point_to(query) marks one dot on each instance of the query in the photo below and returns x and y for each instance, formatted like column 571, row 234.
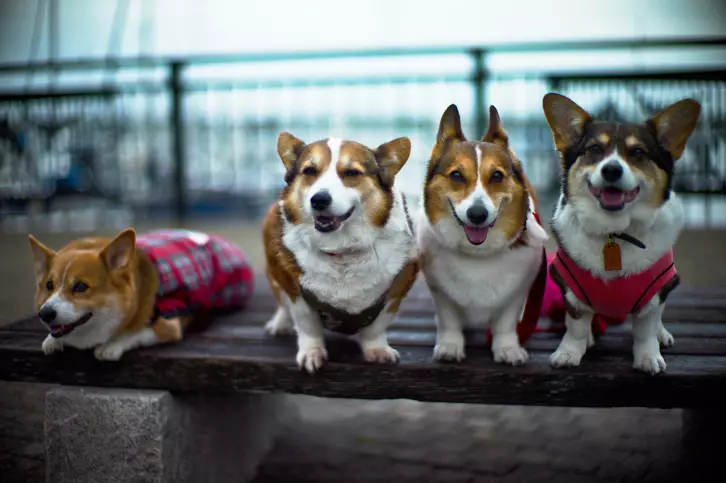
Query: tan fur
column 282, row 270
column 133, row 286
column 402, row 285
column 452, row 152
column 358, row 167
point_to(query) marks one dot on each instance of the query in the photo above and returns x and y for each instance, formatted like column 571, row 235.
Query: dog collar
column 629, row 238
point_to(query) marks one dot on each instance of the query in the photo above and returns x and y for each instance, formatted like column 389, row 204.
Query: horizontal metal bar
column 142, row 62
column 690, row 75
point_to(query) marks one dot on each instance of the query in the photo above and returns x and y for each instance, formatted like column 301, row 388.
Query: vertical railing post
column 478, row 79
column 176, row 85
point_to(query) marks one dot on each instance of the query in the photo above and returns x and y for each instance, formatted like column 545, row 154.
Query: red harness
column 613, row 300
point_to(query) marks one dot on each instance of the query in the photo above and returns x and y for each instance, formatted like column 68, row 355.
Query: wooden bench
column 235, row 356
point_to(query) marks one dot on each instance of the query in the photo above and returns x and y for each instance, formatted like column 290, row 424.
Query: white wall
column 194, row 26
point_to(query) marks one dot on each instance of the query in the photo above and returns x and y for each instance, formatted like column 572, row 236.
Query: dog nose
column 611, row 171
column 47, row 314
column 321, row 200
column 477, row 214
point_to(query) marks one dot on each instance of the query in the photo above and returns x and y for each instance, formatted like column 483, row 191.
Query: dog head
column 475, row 191
column 332, row 182
column 84, row 291
column 614, row 172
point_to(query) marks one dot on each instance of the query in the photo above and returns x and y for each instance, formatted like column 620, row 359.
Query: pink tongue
column 476, row 235
column 612, row 197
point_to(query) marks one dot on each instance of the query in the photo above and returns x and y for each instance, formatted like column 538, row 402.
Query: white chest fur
column 355, row 281
column 480, row 285
column 658, row 233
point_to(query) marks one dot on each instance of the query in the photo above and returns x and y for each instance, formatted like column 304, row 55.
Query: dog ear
column 449, row 132
column 42, row 257
column 120, row 251
column 289, row 148
column 391, row 157
column 566, row 119
column 675, row 124
column 496, row 133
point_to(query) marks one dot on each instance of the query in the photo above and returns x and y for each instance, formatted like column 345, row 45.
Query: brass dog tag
column 611, row 256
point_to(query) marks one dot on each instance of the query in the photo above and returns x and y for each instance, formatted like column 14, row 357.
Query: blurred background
column 161, row 113
column 165, row 113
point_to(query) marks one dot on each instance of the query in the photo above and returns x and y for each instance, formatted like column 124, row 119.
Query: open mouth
column 475, row 234
column 61, row 330
column 611, row 198
column 327, row 223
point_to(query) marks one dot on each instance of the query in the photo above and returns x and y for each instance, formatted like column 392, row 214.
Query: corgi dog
column 338, row 245
column 616, row 222
column 479, row 244
column 116, row 294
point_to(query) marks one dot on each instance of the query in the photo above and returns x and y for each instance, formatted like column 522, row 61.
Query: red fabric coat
column 198, row 273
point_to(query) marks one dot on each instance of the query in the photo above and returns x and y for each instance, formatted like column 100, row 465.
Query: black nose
column 612, row 171
column 321, row 200
column 477, row 214
column 47, row 314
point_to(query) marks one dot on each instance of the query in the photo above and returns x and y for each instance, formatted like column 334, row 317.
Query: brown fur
column 402, row 285
column 453, row 153
column 650, row 149
column 111, row 268
column 371, row 172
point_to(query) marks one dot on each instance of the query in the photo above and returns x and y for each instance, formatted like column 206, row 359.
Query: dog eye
column 637, row 152
column 595, row 149
column 456, row 176
column 49, row 285
column 309, row 171
column 80, row 287
column 497, row 176
column 351, row 173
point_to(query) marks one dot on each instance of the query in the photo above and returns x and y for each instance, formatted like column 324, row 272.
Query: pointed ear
column 42, row 256
column 391, row 157
column 675, row 124
column 495, row 133
column 566, row 119
column 449, row 130
column 120, row 251
column 289, row 149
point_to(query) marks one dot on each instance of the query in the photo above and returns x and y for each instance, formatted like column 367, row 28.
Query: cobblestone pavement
column 406, row 441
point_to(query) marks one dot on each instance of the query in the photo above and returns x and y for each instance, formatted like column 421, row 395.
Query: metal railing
column 182, row 135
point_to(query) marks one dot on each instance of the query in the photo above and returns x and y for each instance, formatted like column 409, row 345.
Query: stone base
column 115, row 435
column 703, row 445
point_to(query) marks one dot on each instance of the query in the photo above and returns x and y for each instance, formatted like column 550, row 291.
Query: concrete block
column 95, row 435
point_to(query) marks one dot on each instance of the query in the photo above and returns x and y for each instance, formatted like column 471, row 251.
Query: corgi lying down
column 114, row 295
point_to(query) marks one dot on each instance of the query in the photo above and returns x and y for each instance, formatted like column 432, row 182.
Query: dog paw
column 277, row 329
column 381, row 355
column 665, row 338
column 565, row 358
column 311, row 359
column 647, row 358
column 51, row 345
column 108, row 352
column 515, row 355
column 449, row 352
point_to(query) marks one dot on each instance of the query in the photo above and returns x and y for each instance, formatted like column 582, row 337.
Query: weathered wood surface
column 235, row 355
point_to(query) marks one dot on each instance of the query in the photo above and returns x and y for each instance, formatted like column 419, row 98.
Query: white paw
column 515, row 355
column 277, row 327
column 449, row 352
column 108, row 352
column 564, row 357
column 381, row 355
column 311, row 359
column 51, row 345
column 647, row 358
column 590, row 339
column 665, row 338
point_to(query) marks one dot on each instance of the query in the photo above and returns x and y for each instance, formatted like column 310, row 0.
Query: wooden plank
column 200, row 364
